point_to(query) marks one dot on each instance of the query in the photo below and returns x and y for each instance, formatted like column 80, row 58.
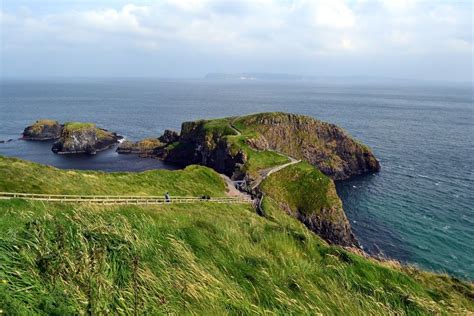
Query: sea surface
column 419, row 209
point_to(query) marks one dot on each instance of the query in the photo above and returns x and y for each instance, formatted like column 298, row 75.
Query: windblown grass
column 64, row 259
column 187, row 259
column 21, row 176
column 303, row 188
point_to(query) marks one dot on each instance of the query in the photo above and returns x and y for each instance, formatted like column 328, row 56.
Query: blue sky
column 411, row 39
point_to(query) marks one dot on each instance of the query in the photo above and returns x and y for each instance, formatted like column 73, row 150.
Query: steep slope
column 196, row 258
column 308, row 195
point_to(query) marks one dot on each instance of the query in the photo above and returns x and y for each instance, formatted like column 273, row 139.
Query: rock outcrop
column 144, row 148
column 169, row 137
column 206, row 145
column 43, row 130
column 77, row 138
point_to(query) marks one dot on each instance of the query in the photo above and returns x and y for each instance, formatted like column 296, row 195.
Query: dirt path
column 267, row 172
column 232, row 191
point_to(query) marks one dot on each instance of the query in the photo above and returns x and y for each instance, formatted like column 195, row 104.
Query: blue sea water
column 419, row 209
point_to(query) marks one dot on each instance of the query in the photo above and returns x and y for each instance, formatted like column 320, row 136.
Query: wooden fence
column 122, row 199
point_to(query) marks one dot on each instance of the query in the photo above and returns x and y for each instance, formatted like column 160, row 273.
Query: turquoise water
column 418, row 209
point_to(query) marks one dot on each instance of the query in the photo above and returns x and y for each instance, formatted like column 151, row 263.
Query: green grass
column 219, row 127
column 38, row 126
column 304, row 188
column 66, row 259
column 200, row 259
column 76, row 126
column 256, row 160
column 21, row 176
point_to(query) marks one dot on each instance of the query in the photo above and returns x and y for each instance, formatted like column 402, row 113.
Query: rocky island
column 250, row 148
column 77, row 138
column 43, row 130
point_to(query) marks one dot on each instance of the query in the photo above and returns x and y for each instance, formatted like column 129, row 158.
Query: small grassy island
column 297, row 256
column 79, row 137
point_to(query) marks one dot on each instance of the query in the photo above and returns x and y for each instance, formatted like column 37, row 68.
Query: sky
column 422, row 40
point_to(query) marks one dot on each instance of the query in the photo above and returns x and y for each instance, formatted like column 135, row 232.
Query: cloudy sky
column 426, row 39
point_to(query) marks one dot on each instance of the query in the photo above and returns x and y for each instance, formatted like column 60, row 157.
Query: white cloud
column 258, row 30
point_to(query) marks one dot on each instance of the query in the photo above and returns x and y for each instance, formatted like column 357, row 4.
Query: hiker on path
column 167, row 197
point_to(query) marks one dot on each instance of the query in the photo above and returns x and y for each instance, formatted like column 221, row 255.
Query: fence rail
column 122, row 199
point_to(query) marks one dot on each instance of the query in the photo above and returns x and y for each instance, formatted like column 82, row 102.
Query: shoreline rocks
column 43, row 130
column 147, row 147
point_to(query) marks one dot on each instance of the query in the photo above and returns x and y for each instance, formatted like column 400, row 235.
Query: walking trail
column 266, row 172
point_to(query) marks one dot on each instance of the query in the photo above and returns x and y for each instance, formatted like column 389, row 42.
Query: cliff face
column 324, row 145
column 204, row 144
column 43, row 130
column 86, row 138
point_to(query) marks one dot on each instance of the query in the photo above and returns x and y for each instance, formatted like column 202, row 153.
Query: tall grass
column 22, row 176
column 198, row 259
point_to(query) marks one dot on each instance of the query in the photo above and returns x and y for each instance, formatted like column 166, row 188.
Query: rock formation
column 169, row 137
column 86, row 138
column 43, row 130
column 324, row 145
column 144, row 148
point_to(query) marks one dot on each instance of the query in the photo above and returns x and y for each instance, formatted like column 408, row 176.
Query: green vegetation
column 149, row 144
column 219, row 127
column 201, row 259
column 21, row 176
column 195, row 258
column 39, row 125
column 304, row 188
column 76, row 126
column 257, row 160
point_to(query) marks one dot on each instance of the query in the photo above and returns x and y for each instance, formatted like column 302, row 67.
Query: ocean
column 419, row 209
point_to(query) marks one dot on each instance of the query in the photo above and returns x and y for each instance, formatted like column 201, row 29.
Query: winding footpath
column 267, row 172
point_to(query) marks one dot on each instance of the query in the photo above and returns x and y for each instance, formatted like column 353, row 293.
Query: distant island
column 257, row 76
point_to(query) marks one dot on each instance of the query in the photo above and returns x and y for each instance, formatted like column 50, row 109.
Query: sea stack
column 78, row 137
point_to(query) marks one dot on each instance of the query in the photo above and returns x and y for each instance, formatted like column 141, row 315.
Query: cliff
column 43, row 130
column 86, row 138
column 249, row 147
column 324, row 145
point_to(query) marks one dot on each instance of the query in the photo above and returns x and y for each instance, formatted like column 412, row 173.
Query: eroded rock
column 43, row 130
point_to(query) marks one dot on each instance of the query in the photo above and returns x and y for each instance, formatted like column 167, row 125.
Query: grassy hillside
column 21, row 176
column 309, row 195
column 303, row 188
column 202, row 259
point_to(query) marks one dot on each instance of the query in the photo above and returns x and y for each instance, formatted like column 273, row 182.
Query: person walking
column 167, row 197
